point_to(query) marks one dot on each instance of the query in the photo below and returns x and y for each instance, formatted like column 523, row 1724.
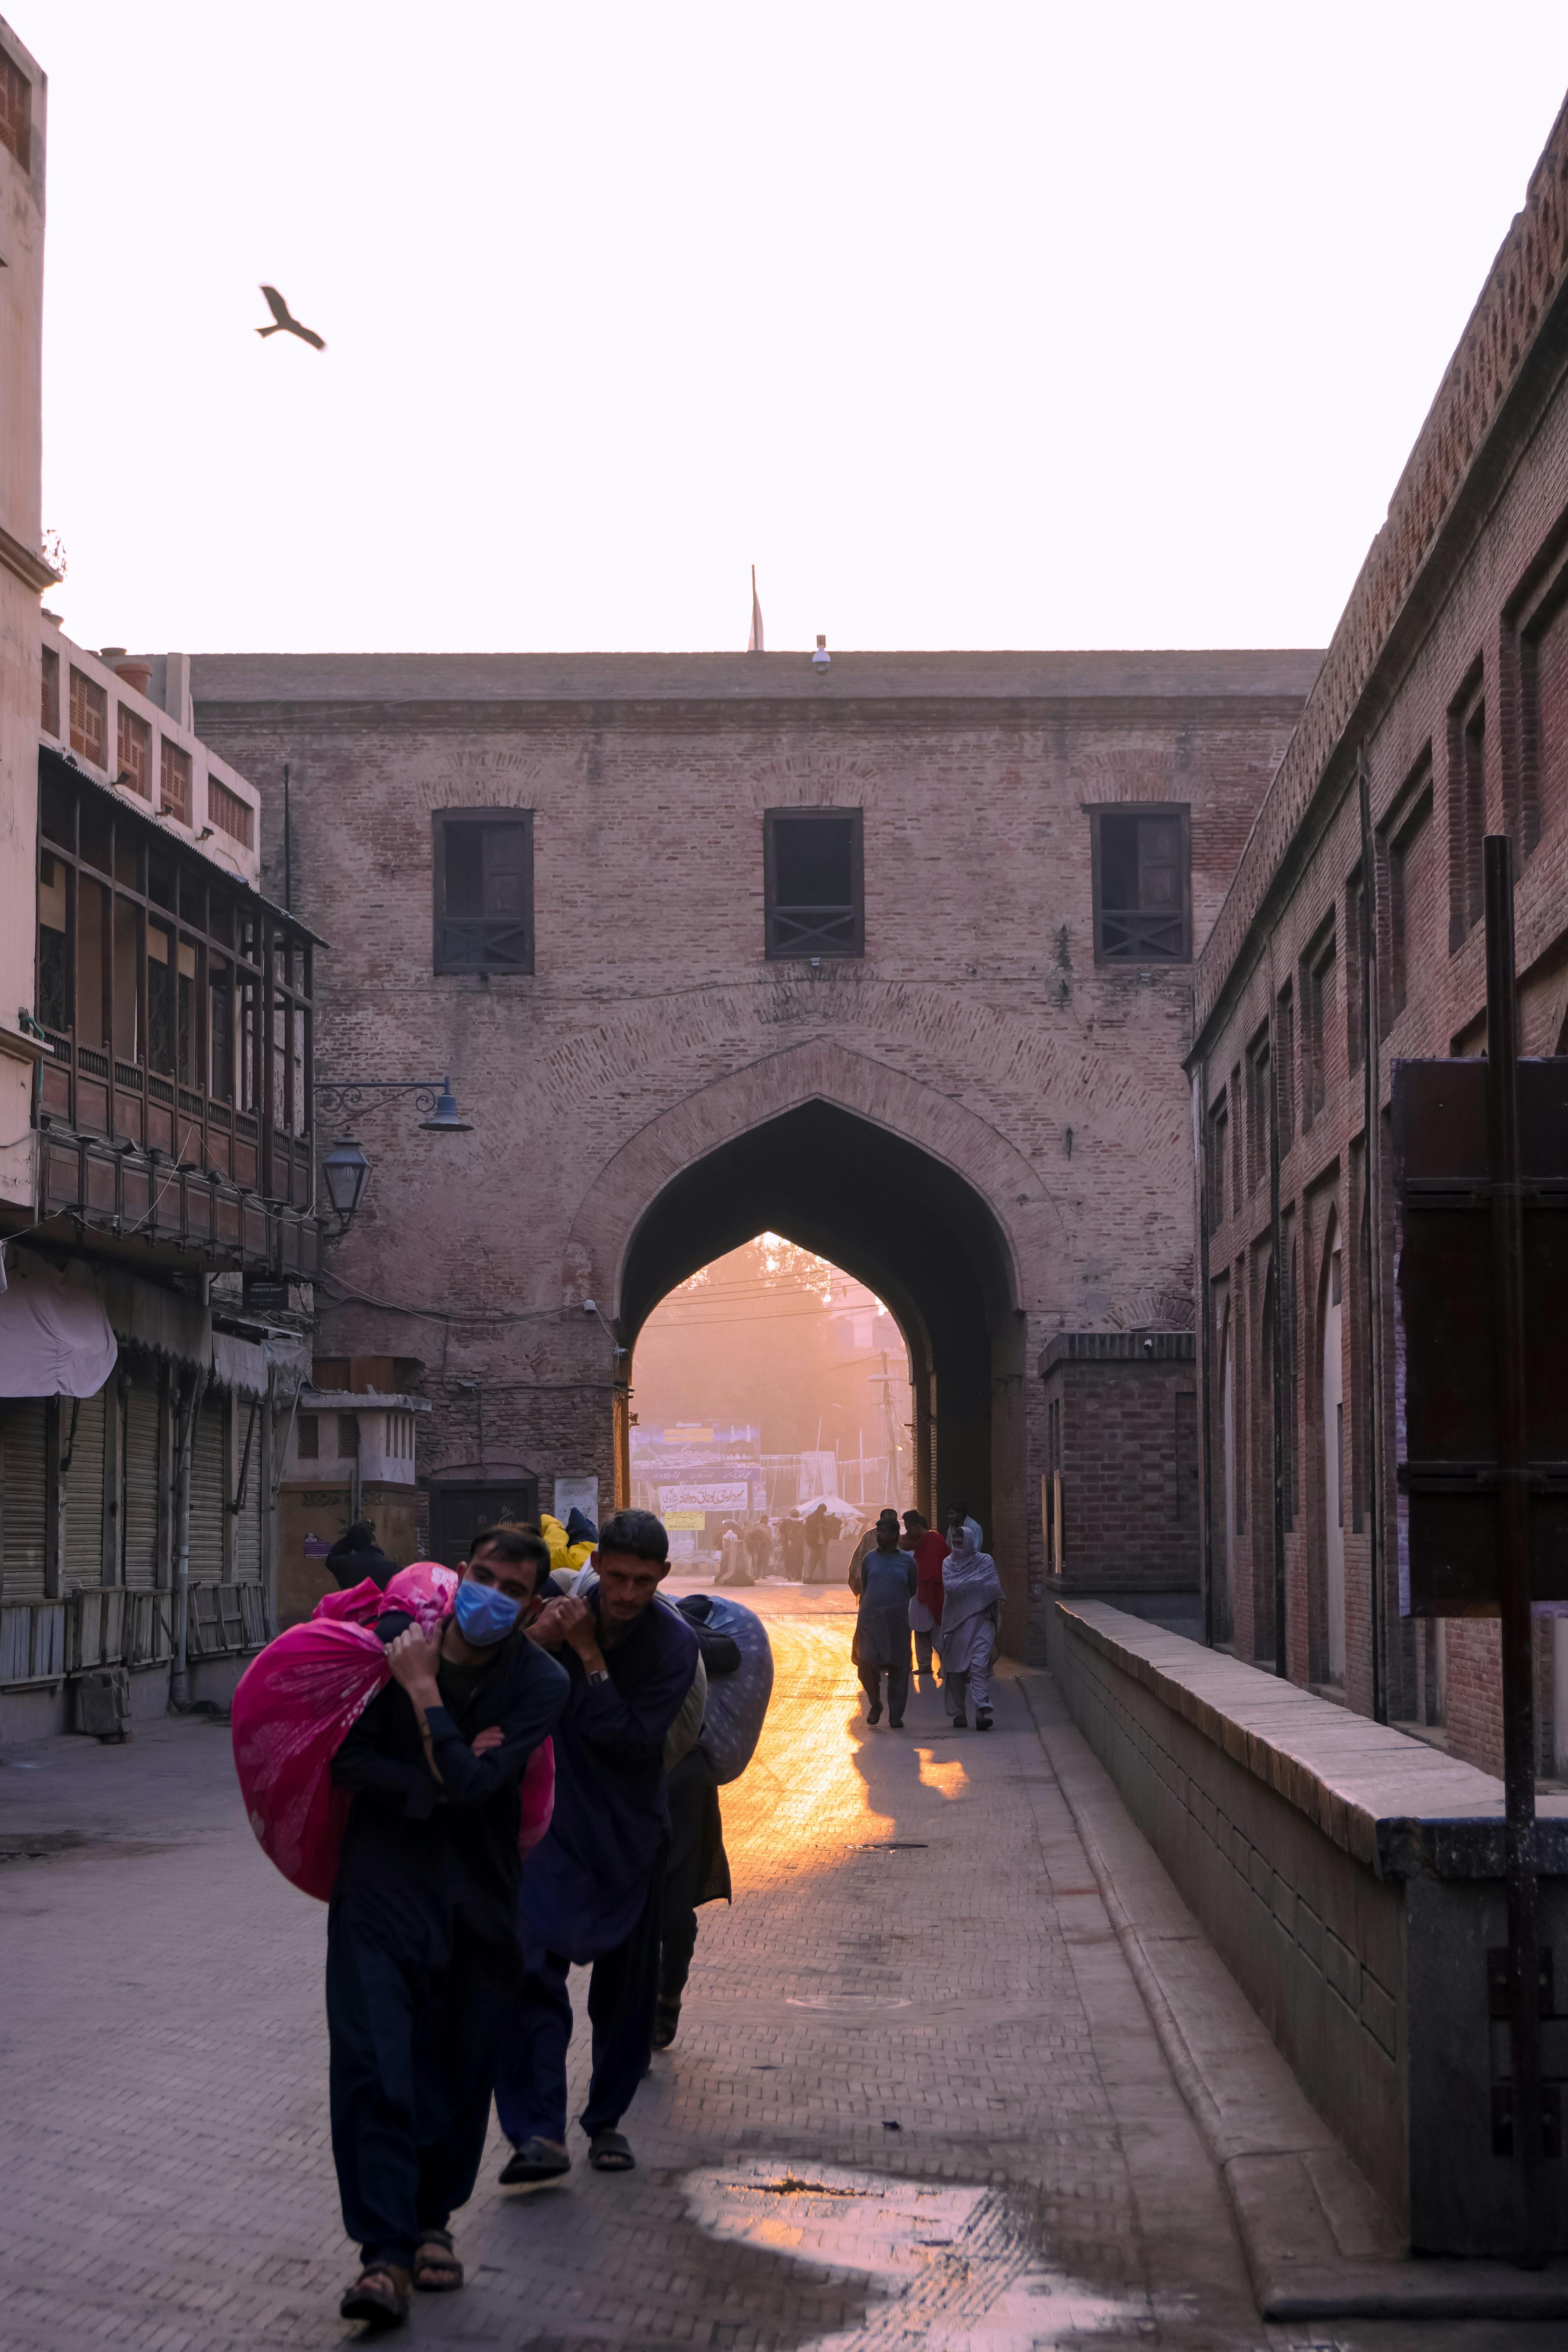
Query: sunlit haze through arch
column 774, row 1370
column 1026, row 325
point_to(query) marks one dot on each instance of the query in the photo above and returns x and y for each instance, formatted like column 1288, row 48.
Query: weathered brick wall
column 654, row 1031
column 1128, row 1442
column 1445, row 612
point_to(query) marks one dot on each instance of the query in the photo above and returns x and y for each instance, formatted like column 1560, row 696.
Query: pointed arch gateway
column 902, row 1187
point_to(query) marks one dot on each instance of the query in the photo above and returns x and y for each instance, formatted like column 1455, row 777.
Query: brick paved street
column 916, row 2100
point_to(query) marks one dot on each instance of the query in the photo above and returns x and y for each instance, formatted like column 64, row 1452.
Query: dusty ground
column 916, row 2100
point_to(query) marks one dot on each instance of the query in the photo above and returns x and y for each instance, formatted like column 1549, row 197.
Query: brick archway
column 612, row 1209
column 902, row 1187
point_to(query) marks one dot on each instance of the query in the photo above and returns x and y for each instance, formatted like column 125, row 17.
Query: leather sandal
column 379, row 2297
column 436, row 2270
column 610, row 2151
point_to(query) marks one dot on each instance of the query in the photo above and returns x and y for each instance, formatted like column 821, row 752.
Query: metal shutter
column 207, row 1498
column 140, row 1567
column 247, row 1416
column 84, row 1490
column 25, row 1501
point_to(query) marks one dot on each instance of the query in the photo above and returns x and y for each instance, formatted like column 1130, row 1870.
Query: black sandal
column 666, row 2023
column 534, row 2161
column 436, row 2270
column 379, row 2297
column 610, row 2151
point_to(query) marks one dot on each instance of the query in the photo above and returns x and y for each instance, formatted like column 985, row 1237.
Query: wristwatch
column 598, row 1674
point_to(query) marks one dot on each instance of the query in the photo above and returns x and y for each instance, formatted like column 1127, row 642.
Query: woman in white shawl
column 971, row 1613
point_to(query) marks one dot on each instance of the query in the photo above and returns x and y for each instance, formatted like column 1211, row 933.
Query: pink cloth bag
column 300, row 1696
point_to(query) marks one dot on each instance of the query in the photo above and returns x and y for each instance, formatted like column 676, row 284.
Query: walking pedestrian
column 792, row 1546
column 760, row 1547
column 422, row 1956
column 591, row 1887
column 971, row 1614
column 887, row 1584
column 930, row 1550
column 817, row 1526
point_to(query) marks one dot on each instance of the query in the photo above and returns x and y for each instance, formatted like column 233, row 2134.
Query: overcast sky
column 988, row 325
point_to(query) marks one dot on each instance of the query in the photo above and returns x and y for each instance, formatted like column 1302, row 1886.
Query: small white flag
column 754, row 642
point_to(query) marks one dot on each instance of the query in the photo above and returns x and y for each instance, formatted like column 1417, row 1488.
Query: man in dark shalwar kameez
column 591, row 1887
column 422, row 1956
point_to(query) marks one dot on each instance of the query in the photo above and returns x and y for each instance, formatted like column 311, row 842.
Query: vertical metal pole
column 1205, row 1356
column 1372, row 1253
column 1513, row 1561
column 1277, row 1370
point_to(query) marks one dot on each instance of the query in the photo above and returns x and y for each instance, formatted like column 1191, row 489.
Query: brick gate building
column 892, row 955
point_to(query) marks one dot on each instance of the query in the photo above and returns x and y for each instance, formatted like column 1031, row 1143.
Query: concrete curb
column 1319, row 2242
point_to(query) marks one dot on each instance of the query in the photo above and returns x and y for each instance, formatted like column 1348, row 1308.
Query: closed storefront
column 248, row 1412
column 207, row 1494
column 23, row 1498
column 140, row 1454
column 82, row 1430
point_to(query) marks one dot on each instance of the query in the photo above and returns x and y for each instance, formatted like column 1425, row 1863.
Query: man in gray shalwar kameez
column 887, row 1578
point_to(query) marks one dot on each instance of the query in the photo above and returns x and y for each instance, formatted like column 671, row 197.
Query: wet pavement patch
column 955, row 2269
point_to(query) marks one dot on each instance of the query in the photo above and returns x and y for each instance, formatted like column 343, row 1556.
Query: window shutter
column 208, row 1500
column 84, row 1492
column 140, row 1532
column 25, row 1501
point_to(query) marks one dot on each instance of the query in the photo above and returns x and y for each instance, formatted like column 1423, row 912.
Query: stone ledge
column 1403, row 1809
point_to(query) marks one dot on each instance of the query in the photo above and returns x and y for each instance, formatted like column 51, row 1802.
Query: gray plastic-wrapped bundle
column 737, row 1702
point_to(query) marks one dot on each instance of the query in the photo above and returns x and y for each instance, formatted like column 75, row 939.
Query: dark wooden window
column 90, row 718
column 1543, row 646
column 174, row 781
column 134, row 744
column 1238, row 1140
column 310, row 1437
column 1142, row 894
column 1408, row 857
column 484, row 890
column 1259, row 1078
column 1219, row 1137
column 1317, row 987
column 1466, row 808
column 154, row 972
column 348, row 1437
column 815, row 879
column 1285, row 1052
column 50, row 701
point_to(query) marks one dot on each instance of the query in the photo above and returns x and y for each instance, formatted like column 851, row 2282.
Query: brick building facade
column 1440, row 714
column 892, row 955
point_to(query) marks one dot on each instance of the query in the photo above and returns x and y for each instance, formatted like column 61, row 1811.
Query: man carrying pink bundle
column 423, row 1960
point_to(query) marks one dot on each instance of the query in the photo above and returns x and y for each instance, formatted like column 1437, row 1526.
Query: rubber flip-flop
column 610, row 2151
column 532, row 2162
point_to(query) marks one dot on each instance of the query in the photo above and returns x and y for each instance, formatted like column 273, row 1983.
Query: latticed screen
column 1142, row 886
column 484, row 891
column 228, row 812
column 174, row 781
column 814, row 893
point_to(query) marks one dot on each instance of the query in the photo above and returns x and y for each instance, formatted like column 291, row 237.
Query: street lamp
column 345, row 1170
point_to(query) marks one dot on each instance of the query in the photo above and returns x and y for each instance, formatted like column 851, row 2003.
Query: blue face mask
column 484, row 1615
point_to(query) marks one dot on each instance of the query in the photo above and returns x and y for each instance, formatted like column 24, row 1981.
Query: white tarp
column 55, row 1337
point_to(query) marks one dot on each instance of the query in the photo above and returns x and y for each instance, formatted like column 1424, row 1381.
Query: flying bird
column 283, row 324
